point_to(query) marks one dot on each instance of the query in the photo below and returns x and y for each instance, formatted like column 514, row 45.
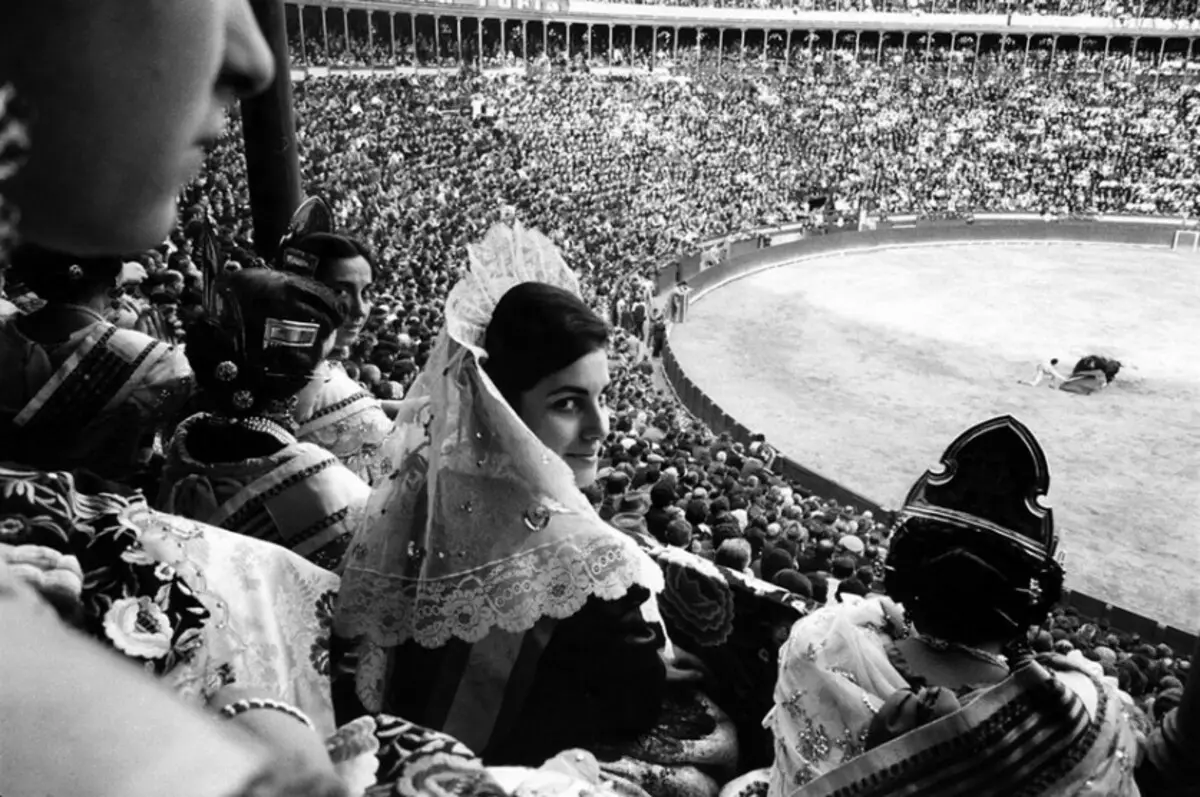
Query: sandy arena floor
column 864, row 367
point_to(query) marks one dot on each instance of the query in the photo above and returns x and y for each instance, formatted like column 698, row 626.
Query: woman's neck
column 952, row 667
column 96, row 305
column 58, row 321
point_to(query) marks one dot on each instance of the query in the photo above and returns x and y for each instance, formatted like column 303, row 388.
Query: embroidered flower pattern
column 318, row 653
column 134, row 597
column 138, row 628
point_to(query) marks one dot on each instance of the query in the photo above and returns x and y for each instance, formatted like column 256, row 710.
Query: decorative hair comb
column 298, row 262
column 993, row 478
column 280, row 333
column 313, row 215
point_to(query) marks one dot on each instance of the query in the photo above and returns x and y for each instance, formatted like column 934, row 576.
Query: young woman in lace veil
column 484, row 596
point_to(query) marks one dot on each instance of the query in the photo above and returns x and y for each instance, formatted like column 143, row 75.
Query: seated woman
column 76, row 389
column 484, row 597
column 957, row 706
column 239, row 466
column 340, row 415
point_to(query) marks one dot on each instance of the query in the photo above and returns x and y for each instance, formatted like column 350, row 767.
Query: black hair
column 59, row 278
column 312, row 255
column 1054, row 361
column 851, row 586
column 968, row 585
column 268, row 375
column 536, row 330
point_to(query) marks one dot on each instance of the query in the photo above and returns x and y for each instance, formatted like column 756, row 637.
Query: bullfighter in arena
column 1046, row 370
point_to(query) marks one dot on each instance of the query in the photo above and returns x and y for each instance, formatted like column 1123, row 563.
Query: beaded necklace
column 260, row 424
column 945, row 646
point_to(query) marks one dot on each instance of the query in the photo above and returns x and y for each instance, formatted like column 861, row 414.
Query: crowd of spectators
column 626, row 174
column 1184, row 14
column 629, row 173
column 754, row 50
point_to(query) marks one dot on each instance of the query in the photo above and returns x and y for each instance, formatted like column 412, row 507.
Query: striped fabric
column 92, row 379
column 300, row 497
column 1028, row 736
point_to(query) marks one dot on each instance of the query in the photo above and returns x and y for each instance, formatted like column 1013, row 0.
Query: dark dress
column 599, row 679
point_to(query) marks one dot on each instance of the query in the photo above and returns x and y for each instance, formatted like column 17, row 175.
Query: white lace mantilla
column 475, row 524
column 513, row 594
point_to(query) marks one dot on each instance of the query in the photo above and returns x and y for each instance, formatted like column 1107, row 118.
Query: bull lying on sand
column 1091, row 374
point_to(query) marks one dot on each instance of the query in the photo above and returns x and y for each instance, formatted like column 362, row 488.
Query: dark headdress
column 993, row 478
column 989, row 493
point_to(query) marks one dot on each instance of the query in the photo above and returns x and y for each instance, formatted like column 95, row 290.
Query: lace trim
column 506, row 257
column 511, row 594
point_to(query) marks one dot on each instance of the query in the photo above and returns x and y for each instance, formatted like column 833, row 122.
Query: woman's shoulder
column 338, row 386
column 135, row 343
column 339, row 398
column 206, row 545
column 1086, row 680
column 878, row 616
column 325, row 472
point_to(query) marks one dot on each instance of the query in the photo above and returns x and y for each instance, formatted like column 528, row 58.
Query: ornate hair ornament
column 281, row 333
column 992, row 479
column 298, row 262
column 243, row 400
column 226, row 371
column 505, row 258
column 314, row 215
column 75, row 271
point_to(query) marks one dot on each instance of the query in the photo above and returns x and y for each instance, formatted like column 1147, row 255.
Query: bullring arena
column 864, row 366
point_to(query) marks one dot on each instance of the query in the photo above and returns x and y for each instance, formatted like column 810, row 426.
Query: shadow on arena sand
column 865, row 366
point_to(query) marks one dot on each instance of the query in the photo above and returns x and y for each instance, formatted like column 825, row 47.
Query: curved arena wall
column 752, row 253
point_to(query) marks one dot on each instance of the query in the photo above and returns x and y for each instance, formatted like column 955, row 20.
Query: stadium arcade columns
column 269, row 127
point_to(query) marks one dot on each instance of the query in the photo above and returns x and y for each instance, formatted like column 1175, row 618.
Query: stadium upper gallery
column 558, row 398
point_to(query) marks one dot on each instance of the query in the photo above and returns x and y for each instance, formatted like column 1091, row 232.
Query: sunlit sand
column 865, row 366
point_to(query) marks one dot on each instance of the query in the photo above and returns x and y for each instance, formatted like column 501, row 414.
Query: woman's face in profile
column 352, row 280
column 568, row 413
column 123, row 97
